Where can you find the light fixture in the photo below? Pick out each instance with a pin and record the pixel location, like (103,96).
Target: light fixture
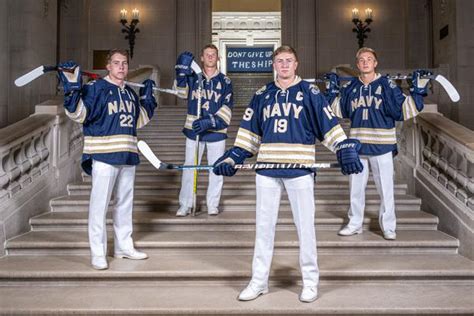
(361,27)
(130,29)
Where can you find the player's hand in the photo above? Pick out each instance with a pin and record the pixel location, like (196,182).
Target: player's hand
(70,75)
(224,166)
(419,85)
(146,92)
(347,153)
(183,64)
(332,83)
(203,124)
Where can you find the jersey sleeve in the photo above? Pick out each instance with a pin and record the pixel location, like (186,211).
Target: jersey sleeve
(81,106)
(398,105)
(182,85)
(224,114)
(249,135)
(324,123)
(146,108)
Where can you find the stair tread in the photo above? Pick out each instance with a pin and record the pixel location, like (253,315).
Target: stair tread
(321,199)
(391,298)
(239,217)
(237,239)
(214,265)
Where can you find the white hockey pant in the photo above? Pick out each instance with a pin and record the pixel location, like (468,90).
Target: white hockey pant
(300,192)
(214,151)
(105,178)
(382,172)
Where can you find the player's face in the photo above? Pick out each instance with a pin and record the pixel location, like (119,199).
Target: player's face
(285,65)
(118,67)
(209,58)
(366,63)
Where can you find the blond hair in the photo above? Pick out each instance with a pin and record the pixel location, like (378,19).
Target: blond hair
(366,50)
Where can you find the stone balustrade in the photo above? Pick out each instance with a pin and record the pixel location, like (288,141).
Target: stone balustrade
(447,153)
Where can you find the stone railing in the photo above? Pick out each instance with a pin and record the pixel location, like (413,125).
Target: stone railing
(437,159)
(39,156)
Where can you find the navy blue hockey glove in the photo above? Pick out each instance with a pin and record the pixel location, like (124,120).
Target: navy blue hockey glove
(332,83)
(183,64)
(347,153)
(224,166)
(419,85)
(203,124)
(70,75)
(146,92)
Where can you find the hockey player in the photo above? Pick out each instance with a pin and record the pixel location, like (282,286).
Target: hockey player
(373,103)
(110,112)
(281,125)
(211,126)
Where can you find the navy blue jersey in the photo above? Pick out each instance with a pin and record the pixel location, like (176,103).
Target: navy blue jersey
(110,116)
(216,100)
(282,126)
(373,110)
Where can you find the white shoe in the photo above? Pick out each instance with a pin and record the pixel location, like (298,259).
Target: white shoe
(131,254)
(183,211)
(213,211)
(99,263)
(390,235)
(347,231)
(252,291)
(309,294)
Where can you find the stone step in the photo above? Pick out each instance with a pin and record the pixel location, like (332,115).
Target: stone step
(227,221)
(147,173)
(232,203)
(244,188)
(197,267)
(387,298)
(73,242)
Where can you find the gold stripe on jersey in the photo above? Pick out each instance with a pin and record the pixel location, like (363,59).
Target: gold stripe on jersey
(80,114)
(286,153)
(375,135)
(409,108)
(333,137)
(336,106)
(110,144)
(225,113)
(247,140)
(143,119)
(182,91)
(189,124)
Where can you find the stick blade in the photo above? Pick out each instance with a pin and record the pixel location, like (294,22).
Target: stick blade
(30,76)
(195,67)
(448,87)
(150,155)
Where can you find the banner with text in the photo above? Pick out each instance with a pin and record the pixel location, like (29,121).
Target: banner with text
(249,59)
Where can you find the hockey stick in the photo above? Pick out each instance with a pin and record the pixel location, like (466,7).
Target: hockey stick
(141,85)
(158,164)
(195,67)
(445,83)
(41,70)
